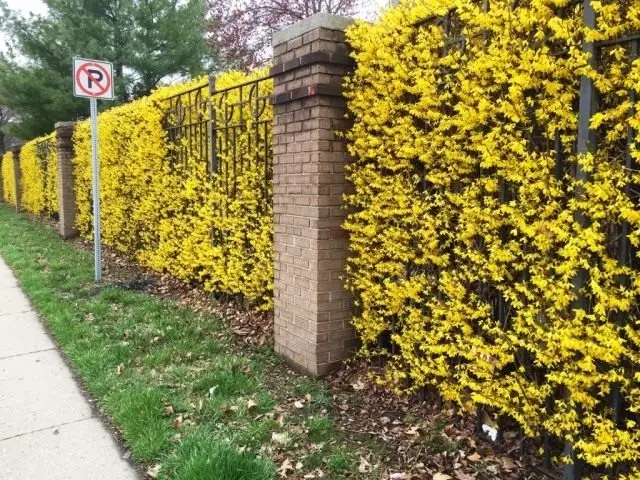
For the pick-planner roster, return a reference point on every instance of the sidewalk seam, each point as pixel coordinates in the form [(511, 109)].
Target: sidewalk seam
[(28, 353), (47, 428), (16, 313)]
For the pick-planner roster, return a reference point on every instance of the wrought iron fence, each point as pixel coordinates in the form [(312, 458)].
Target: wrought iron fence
[(229, 128), (43, 154), (602, 55), (241, 131), (187, 125)]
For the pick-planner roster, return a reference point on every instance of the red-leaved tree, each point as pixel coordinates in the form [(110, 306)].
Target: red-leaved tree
[(240, 30)]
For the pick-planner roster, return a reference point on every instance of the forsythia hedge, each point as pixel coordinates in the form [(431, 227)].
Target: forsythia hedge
[(39, 175), (163, 206), (469, 227), (8, 179)]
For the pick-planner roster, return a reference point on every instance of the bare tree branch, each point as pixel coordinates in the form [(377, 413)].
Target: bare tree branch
[(241, 30)]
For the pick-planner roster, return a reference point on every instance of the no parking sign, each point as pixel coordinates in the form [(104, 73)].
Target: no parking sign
[(92, 79)]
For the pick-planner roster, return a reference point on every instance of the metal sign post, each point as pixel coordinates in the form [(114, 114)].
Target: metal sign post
[(93, 79), (97, 244)]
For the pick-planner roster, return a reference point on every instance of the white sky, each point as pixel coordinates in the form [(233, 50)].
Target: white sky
[(369, 10), (27, 6), (37, 6)]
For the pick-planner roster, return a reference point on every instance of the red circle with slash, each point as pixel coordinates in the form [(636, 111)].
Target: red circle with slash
[(84, 68)]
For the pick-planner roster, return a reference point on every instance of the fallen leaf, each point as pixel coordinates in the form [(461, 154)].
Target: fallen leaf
[(168, 411), (364, 466), (474, 457), (398, 476), (463, 476), (177, 422), (508, 464), (298, 404), (251, 404), (284, 468), (441, 476), (413, 430), (359, 385), (154, 471), (493, 469), (281, 438)]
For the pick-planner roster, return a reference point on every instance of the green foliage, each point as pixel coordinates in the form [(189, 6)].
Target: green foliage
[(203, 457), (147, 41), (139, 410)]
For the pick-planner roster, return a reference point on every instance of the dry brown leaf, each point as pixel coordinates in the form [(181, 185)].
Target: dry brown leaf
[(364, 466), (508, 464), (413, 430), (154, 471), (474, 457), (359, 385), (284, 468), (441, 476), (464, 476), (168, 411), (177, 422), (281, 438)]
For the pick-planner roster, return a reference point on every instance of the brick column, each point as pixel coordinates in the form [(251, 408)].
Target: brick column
[(312, 309), (66, 192), (1, 182), (17, 175)]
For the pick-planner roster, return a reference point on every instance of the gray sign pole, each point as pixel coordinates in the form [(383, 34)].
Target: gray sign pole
[(96, 189)]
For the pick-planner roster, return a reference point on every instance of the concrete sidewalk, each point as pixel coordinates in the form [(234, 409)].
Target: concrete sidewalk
[(47, 428)]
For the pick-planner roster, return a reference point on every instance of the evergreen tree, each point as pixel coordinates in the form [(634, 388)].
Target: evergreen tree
[(147, 41)]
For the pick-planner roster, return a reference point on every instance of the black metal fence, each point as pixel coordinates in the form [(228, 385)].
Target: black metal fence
[(45, 150), (187, 125), (229, 128), (602, 55)]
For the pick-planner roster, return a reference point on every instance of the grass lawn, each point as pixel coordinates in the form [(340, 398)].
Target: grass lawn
[(188, 402)]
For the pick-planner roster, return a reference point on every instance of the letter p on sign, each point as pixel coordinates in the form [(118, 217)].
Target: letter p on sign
[(92, 79)]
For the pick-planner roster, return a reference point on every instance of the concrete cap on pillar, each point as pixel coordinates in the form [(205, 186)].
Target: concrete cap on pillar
[(318, 20), (64, 124)]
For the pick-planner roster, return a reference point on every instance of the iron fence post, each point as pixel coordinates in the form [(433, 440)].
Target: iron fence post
[(585, 144), (213, 154)]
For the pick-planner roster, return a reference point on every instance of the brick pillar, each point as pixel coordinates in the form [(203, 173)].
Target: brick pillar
[(17, 175), (312, 309), (66, 192), (1, 182)]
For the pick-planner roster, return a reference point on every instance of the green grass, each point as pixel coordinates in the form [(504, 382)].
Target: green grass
[(173, 382)]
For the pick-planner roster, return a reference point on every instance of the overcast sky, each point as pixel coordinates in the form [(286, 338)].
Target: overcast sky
[(37, 6), (34, 6), (369, 10)]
